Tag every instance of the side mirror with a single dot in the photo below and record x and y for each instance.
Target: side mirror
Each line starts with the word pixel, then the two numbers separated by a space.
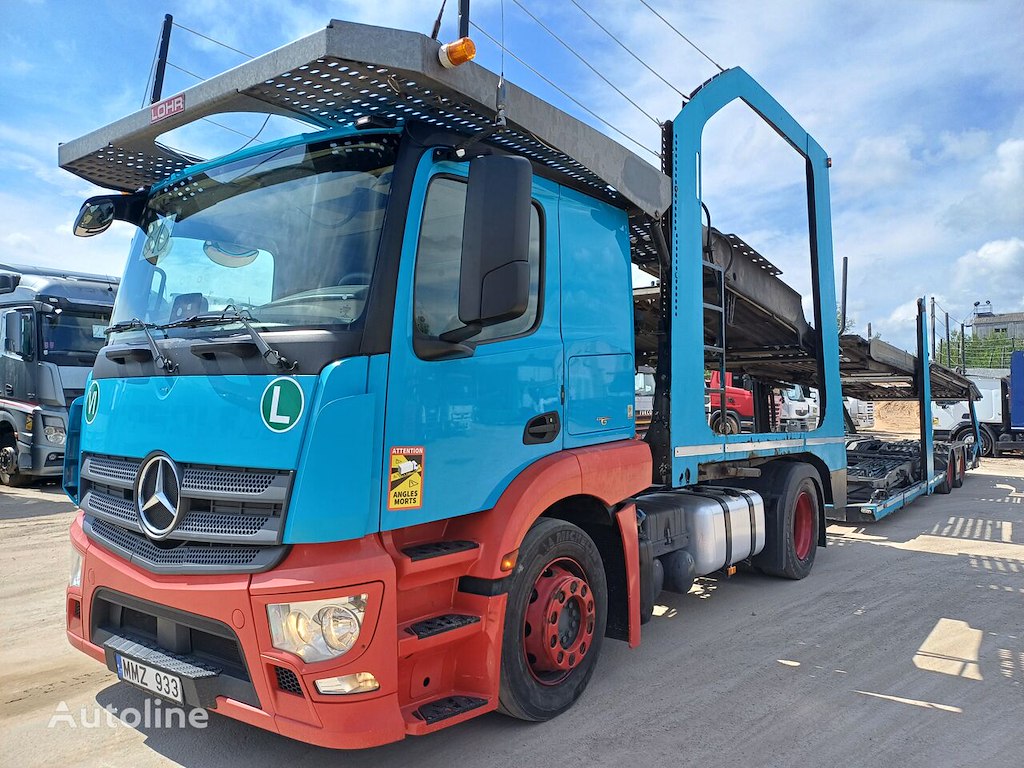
pixel 494 284
pixel 94 218
pixel 8 282
pixel 98 213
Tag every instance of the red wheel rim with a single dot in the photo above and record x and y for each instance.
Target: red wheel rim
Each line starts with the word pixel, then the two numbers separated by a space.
pixel 803 525
pixel 558 629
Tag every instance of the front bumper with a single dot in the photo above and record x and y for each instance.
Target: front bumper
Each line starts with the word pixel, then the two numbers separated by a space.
pixel 47 460
pixel 219 623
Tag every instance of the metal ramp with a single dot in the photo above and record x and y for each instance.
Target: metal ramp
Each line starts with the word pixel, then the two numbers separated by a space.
pixel 872 369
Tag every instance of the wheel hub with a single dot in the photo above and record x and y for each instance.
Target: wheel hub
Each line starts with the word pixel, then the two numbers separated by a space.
pixel 559 626
pixel 8 459
pixel 803 526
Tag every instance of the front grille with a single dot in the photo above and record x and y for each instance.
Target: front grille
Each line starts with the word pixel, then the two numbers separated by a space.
pixel 123 470
pixel 287 681
pixel 182 557
pixel 222 504
pixel 226 481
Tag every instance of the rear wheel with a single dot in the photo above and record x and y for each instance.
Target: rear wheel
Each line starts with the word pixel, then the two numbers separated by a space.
pixel 961 468
pixel 799 507
pixel 947 482
pixel 725 424
pixel 554 621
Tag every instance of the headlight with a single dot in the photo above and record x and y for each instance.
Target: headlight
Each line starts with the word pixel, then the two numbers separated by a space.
pixel 53 429
pixel 75 576
pixel 317 629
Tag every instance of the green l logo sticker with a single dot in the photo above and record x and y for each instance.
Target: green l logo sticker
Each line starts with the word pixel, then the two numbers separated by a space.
pixel 92 402
pixel 282 403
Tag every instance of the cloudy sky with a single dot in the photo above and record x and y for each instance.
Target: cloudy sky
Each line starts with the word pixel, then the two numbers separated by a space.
pixel 920 104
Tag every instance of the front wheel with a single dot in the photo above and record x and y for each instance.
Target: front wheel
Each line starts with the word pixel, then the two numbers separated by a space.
pixel 554 621
pixel 9 474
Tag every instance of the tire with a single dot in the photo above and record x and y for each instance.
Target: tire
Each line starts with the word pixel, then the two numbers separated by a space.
pixel 961 468
pixel 799 506
pixel 725 425
pixel 11 479
pixel 947 482
pixel 545 668
pixel 988 442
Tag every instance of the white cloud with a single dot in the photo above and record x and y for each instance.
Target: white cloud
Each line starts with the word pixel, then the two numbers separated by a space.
pixel 994 272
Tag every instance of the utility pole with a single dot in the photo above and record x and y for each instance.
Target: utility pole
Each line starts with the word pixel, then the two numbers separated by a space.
pixel 948 352
pixel 963 350
pixel 842 312
pixel 932 313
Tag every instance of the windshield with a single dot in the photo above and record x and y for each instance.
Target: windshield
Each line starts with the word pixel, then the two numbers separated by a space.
pixel 290 236
pixel 73 337
pixel 795 393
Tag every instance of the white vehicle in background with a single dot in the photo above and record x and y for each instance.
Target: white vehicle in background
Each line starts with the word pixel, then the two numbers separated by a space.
pixel 794 410
pixel 862 412
pixel 953 420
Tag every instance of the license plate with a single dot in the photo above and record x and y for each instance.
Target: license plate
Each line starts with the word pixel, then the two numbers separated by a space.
pixel 145 676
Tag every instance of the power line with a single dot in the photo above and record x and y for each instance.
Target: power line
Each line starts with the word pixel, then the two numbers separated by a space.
pixel 586 63
pixel 629 51
pixel 206 37
pixel 688 40
pixel 562 91
pixel 182 69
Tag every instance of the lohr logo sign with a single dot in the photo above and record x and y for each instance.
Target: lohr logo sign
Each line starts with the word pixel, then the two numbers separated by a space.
pixel 166 108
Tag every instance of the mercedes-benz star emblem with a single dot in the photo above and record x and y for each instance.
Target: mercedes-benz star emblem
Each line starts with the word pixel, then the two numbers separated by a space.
pixel 158 496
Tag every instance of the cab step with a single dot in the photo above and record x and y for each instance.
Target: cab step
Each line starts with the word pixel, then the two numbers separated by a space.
pixel 438 549
pixel 438 624
pixel 434 562
pixel 447 707
pixel 436 631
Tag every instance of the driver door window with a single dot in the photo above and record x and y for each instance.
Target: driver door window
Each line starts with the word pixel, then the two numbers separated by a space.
pixel 439 260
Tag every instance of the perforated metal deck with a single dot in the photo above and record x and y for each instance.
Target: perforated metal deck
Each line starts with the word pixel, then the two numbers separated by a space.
pixel 346 71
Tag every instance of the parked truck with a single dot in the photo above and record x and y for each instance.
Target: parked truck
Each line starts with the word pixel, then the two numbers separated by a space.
pixel 1000 431
pixel 51 327
pixel 275 521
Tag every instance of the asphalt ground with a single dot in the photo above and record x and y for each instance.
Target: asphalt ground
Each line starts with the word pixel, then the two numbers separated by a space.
pixel 904 647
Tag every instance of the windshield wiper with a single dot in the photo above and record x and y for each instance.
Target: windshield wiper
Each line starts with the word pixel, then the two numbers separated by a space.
pixel 231 314
pixel 159 358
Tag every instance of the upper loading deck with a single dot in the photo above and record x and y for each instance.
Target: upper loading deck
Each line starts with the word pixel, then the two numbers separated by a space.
pixel 347 71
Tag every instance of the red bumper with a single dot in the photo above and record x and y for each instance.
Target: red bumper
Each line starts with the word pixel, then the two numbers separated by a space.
pixel 239 602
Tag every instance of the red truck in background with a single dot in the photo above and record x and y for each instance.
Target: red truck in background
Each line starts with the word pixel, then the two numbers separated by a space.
pixel 739 406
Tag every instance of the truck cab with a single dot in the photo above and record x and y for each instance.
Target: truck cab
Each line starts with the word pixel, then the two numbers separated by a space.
pixel 51 327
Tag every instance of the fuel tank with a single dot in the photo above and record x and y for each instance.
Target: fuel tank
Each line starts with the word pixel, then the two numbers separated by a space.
pixel 717 526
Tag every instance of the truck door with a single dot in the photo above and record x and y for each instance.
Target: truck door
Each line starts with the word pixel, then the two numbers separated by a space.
pixel 18 351
pixel 597 321
pixel 460 427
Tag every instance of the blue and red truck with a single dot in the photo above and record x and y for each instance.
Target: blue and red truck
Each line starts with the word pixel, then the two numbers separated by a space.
pixel 358 460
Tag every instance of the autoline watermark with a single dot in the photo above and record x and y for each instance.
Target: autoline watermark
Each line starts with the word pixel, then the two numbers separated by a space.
pixel 154 714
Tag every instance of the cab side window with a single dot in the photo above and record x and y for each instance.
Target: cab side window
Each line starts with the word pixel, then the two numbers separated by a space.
pixel 438 262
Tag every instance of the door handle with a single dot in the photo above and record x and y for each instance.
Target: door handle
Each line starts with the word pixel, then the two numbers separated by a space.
pixel 9 389
pixel 542 429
